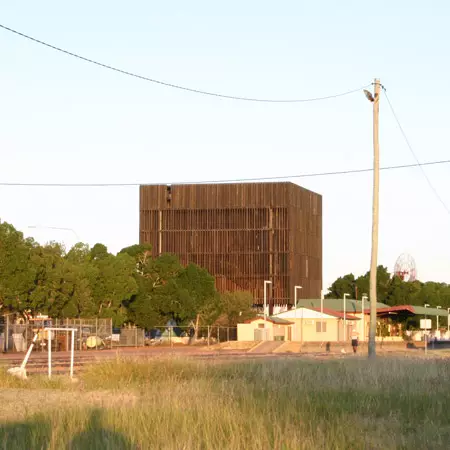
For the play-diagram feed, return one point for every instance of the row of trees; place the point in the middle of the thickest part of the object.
(130, 287)
(392, 290)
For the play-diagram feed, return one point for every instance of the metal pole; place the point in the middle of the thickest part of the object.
(266, 282)
(363, 319)
(437, 320)
(426, 335)
(26, 332)
(67, 335)
(345, 323)
(375, 211)
(345, 317)
(448, 320)
(321, 310)
(295, 312)
(7, 334)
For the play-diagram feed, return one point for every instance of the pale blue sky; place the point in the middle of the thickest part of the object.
(63, 120)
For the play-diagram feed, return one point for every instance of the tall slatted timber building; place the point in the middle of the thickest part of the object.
(242, 233)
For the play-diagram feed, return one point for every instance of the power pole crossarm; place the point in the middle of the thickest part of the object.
(376, 188)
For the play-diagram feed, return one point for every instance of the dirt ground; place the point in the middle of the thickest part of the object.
(227, 352)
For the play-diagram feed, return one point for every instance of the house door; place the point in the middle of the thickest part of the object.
(289, 336)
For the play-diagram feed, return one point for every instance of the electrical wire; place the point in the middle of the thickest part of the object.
(176, 86)
(236, 180)
(430, 184)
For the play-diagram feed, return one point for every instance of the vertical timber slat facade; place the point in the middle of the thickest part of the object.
(242, 234)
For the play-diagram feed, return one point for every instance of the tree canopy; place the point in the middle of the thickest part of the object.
(392, 290)
(130, 287)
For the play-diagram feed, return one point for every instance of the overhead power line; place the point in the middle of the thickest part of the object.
(176, 86)
(235, 180)
(430, 184)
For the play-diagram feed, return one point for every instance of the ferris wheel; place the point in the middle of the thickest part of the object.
(405, 267)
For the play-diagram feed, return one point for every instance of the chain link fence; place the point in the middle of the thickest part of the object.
(185, 335)
(16, 334)
(128, 337)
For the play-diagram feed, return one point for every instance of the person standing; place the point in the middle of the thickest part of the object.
(355, 336)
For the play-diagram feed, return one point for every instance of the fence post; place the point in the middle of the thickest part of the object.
(67, 335)
(49, 349)
(135, 337)
(26, 333)
(228, 334)
(218, 334)
(110, 332)
(96, 332)
(208, 335)
(7, 334)
(81, 336)
(170, 336)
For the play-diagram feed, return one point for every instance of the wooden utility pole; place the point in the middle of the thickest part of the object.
(375, 99)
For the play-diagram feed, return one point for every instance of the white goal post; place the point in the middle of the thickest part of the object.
(48, 331)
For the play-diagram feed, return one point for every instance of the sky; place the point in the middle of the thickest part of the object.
(63, 120)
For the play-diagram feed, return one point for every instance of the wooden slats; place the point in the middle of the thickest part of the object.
(242, 233)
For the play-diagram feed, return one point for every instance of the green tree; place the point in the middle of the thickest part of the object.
(113, 285)
(401, 293)
(167, 290)
(360, 286)
(17, 273)
(52, 285)
(236, 307)
(343, 285)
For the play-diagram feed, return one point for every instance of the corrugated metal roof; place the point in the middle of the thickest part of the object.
(273, 319)
(337, 304)
(413, 309)
(337, 314)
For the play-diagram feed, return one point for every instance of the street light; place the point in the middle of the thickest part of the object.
(295, 301)
(448, 320)
(345, 319)
(375, 100)
(437, 319)
(56, 228)
(321, 309)
(364, 297)
(266, 282)
(426, 335)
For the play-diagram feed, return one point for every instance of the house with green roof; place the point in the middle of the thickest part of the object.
(337, 320)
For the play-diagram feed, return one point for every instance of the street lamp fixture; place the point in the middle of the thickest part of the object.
(266, 282)
(37, 227)
(426, 334)
(295, 301)
(321, 308)
(345, 316)
(448, 320)
(437, 319)
(363, 317)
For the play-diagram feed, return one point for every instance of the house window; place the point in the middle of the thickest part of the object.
(260, 325)
(321, 327)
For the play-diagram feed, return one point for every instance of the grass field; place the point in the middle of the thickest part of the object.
(185, 404)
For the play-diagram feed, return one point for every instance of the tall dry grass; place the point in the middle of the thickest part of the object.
(290, 404)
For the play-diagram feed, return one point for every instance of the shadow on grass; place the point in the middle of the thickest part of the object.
(33, 434)
(97, 437)
(37, 434)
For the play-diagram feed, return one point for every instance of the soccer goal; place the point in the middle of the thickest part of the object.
(49, 333)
